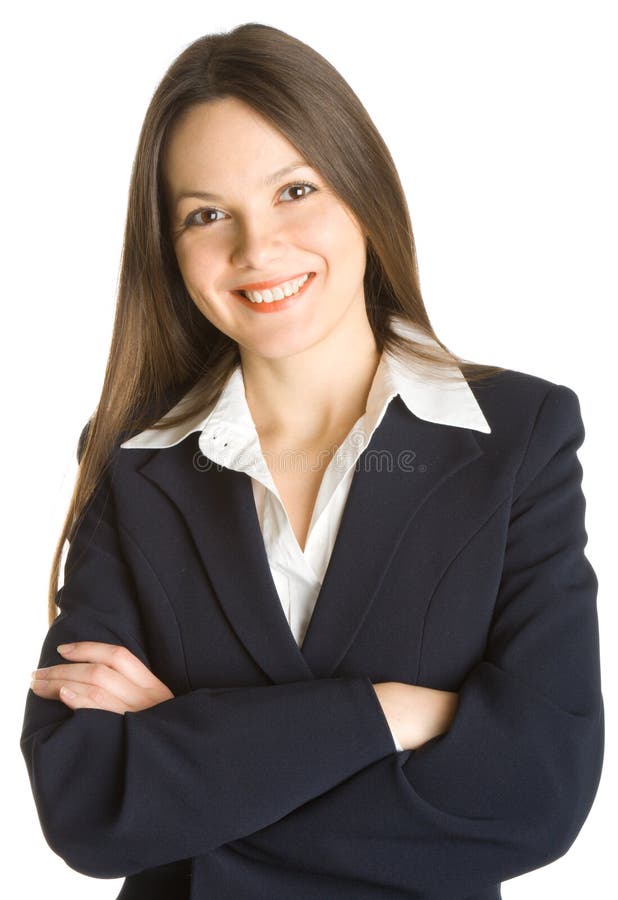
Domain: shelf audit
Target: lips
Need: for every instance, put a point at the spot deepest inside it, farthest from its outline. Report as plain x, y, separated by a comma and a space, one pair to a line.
275, 305
273, 282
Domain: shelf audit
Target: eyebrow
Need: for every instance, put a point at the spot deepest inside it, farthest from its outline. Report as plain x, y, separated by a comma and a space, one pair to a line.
269, 180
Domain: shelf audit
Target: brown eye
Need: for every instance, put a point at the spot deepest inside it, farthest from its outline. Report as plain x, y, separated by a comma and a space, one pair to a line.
202, 216
298, 186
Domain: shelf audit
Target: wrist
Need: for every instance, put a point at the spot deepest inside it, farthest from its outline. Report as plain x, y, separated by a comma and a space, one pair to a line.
416, 714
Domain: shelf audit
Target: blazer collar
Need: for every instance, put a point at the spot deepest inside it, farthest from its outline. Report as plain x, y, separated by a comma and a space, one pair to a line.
440, 401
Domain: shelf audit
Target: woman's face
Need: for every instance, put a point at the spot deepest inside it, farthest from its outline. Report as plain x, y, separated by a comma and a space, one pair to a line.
259, 223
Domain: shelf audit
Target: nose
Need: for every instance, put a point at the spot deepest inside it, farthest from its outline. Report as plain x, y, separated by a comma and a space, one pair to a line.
258, 245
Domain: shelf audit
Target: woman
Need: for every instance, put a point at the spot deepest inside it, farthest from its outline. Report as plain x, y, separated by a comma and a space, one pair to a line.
373, 671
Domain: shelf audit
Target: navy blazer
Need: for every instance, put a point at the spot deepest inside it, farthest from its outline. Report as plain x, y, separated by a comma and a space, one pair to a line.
271, 774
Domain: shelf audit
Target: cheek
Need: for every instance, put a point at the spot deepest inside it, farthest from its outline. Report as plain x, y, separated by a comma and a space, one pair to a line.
339, 234
186, 261
326, 237
197, 267
346, 251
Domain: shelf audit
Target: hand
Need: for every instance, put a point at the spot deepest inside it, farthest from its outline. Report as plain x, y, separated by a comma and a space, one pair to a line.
416, 714
100, 676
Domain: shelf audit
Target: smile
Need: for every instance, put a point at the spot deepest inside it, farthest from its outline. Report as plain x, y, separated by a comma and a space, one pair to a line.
278, 298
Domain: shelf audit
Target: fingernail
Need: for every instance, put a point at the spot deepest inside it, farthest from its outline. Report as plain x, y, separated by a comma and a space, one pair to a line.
65, 648
67, 693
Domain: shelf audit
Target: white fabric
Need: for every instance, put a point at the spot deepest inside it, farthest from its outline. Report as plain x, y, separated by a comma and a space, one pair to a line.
229, 438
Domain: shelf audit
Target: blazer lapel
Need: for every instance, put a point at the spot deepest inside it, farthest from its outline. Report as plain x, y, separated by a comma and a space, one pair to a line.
407, 459
219, 509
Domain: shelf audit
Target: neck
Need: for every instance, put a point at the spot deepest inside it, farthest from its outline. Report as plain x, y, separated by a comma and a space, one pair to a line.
311, 395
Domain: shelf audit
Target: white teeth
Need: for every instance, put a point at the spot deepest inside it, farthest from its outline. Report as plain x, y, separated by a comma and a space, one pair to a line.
287, 289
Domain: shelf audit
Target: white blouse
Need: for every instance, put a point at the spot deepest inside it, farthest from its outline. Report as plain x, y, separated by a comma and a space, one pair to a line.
229, 438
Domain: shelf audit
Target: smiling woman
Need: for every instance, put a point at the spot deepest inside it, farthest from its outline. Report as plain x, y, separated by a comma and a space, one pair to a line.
373, 672
266, 233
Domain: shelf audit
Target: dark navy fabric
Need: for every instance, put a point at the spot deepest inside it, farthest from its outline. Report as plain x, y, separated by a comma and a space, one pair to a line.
459, 565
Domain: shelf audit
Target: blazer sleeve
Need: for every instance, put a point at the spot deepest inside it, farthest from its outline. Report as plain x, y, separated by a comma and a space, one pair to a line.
116, 794
508, 787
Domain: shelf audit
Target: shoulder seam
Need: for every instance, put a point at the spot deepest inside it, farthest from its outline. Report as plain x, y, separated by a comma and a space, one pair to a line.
529, 439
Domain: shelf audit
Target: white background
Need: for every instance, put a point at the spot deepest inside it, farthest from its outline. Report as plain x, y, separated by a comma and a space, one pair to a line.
501, 118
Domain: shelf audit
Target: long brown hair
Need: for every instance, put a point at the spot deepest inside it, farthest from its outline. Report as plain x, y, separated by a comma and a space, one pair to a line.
161, 343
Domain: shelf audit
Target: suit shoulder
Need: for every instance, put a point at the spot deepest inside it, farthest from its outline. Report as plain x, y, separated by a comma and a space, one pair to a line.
81, 442
83, 438
152, 411
518, 405
511, 393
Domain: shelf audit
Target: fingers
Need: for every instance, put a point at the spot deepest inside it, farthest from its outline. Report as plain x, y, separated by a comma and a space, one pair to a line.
96, 676
113, 655
77, 695
100, 676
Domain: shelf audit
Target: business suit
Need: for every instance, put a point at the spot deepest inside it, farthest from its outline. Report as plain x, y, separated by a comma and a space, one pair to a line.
271, 774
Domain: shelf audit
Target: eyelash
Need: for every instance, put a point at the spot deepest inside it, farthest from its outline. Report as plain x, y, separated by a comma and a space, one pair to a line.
189, 224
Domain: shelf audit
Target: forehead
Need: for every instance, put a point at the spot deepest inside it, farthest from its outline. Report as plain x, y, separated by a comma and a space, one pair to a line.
224, 138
